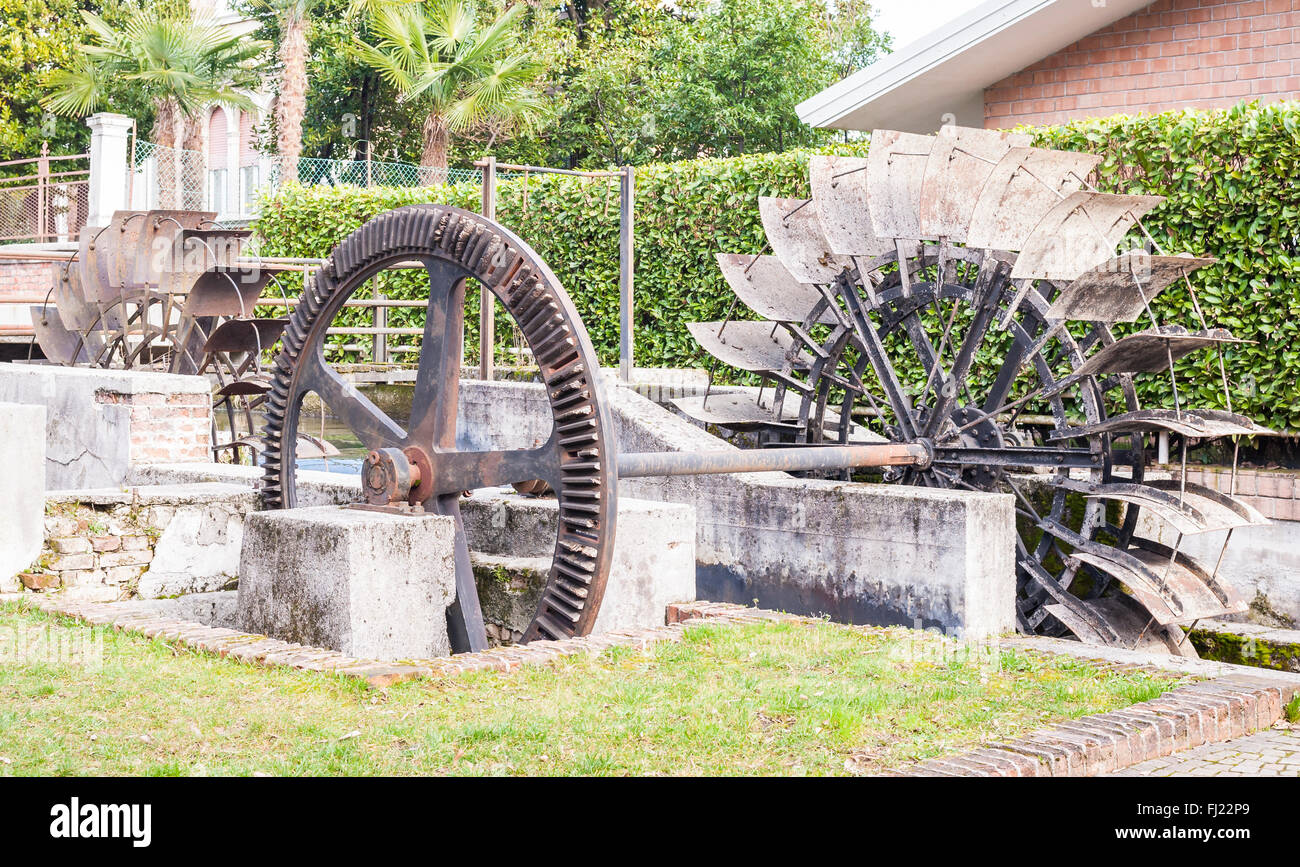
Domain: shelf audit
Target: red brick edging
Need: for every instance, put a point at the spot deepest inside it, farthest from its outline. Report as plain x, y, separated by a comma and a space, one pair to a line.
1205, 712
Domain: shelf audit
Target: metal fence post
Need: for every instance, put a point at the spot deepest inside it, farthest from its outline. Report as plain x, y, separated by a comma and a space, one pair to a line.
626, 202
381, 323
42, 191
486, 307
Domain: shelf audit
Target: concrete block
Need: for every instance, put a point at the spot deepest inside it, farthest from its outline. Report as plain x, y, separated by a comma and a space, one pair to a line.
200, 546
859, 553
220, 608
654, 557
366, 584
22, 503
100, 421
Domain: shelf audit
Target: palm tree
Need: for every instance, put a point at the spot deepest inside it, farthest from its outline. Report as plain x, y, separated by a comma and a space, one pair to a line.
291, 101
182, 63
435, 53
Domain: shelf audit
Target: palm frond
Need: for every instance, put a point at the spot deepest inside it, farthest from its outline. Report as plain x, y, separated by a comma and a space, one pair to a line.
391, 69
75, 92
168, 55
495, 40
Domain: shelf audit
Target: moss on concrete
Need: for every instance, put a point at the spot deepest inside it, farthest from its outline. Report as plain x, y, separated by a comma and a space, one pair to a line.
1246, 650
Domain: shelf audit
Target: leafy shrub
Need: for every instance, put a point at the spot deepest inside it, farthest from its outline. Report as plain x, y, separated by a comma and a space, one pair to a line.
1229, 178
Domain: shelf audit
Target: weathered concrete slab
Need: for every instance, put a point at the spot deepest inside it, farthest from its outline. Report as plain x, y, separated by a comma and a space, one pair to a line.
315, 487
101, 422
881, 554
653, 564
22, 497
366, 584
219, 608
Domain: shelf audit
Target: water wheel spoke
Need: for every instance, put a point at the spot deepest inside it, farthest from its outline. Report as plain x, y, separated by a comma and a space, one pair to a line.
989, 289
466, 628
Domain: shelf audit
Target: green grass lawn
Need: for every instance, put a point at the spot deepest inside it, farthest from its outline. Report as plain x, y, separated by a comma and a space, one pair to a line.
763, 699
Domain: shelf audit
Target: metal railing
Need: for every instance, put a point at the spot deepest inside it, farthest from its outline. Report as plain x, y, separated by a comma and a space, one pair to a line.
46, 200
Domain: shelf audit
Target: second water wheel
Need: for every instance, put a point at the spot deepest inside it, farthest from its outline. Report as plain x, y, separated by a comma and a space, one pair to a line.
942, 288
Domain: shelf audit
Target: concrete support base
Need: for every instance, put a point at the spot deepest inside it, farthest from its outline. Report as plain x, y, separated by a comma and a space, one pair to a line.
875, 554
513, 539
22, 507
366, 584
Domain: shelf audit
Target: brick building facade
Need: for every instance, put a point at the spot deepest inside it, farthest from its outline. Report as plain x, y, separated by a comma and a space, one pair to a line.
1170, 55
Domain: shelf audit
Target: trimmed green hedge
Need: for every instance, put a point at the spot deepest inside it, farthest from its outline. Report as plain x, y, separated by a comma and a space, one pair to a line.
1229, 176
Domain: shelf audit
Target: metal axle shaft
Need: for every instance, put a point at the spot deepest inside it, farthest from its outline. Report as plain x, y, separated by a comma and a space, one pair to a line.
641, 464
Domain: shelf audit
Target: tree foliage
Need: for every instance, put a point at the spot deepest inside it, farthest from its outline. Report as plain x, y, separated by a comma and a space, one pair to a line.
180, 62
737, 73
622, 81
39, 36
464, 73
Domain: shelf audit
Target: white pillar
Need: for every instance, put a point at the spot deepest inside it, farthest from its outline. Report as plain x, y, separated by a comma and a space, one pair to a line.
108, 166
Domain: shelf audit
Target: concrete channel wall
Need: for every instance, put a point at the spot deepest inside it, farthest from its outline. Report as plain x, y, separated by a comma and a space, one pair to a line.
858, 553
99, 423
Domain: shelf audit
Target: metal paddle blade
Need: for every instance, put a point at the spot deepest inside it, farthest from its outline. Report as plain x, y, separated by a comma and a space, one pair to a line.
1080, 232
795, 234
767, 288
839, 190
1199, 423
245, 335
1119, 289
1022, 188
960, 162
56, 341
759, 347
1150, 351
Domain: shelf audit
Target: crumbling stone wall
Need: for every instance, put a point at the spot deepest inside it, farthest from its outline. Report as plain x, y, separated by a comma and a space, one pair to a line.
145, 542
106, 547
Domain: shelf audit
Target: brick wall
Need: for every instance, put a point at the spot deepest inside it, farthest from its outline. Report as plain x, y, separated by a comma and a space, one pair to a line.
102, 547
1173, 54
1272, 492
166, 428
22, 284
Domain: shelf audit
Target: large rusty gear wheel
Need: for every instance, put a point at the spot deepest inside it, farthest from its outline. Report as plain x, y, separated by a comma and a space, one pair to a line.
940, 287
420, 464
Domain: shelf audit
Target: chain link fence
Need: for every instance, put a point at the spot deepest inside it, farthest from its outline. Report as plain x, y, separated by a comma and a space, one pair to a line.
375, 173
167, 177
